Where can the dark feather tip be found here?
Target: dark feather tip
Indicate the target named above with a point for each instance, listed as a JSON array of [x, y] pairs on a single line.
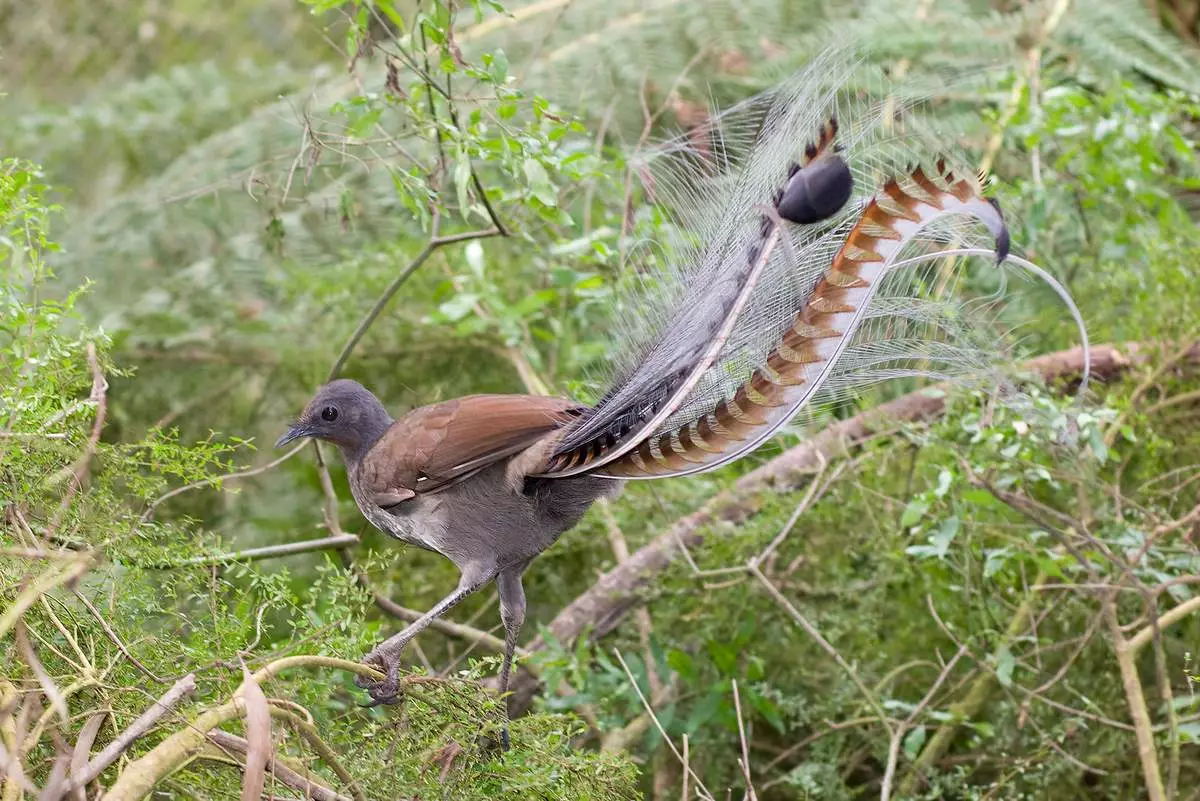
[[1003, 239], [817, 192]]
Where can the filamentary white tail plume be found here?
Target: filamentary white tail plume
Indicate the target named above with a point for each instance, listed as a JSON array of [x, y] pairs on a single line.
[[815, 237]]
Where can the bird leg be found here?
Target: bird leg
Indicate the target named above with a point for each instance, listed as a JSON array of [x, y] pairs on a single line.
[[512, 614], [386, 655]]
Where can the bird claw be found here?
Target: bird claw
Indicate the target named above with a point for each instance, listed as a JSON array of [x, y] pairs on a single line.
[[385, 690]]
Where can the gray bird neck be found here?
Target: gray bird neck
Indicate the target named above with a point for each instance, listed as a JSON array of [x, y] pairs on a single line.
[[373, 424]]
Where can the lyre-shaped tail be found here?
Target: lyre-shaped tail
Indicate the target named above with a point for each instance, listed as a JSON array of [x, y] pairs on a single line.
[[793, 222], [802, 359]]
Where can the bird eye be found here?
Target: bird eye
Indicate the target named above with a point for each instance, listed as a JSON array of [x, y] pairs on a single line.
[[329, 414]]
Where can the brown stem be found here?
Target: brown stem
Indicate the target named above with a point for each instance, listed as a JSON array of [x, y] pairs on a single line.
[[1138, 711]]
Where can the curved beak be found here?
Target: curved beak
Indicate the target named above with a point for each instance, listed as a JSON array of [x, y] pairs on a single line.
[[293, 433]]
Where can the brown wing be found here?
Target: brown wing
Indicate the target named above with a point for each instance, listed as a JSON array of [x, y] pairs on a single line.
[[435, 445]]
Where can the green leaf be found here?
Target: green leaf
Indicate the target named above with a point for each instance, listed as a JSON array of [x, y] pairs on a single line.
[[913, 741], [994, 561], [1005, 662], [913, 513], [766, 707], [723, 656], [945, 535], [459, 307], [539, 183], [498, 69], [682, 663], [1189, 732], [362, 125]]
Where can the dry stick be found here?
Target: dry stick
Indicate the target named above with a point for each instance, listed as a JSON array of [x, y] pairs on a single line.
[[885, 789], [700, 788], [144, 723], [99, 397], [310, 735], [1184, 353], [825, 645], [334, 543], [40, 586], [112, 636], [978, 694], [686, 769], [1168, 618], [368, 320], [620, 547], [215, 480], [291, 774], [744, 760], [58, 703], [141, 775], [1138, 712], [257, 720]]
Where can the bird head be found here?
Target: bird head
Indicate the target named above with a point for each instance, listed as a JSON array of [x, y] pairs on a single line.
[[343, 412]]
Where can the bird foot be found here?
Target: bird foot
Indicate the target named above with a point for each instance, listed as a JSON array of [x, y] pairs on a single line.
[[387, 689]]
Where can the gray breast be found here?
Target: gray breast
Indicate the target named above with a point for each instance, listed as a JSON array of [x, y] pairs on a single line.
[[419, 521]]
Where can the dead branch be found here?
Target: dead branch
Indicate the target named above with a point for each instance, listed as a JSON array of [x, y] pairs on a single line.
[[294, 776], [143, 724]]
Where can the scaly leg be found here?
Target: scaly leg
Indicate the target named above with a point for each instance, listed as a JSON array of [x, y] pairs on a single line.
[[512, 614], [386, 655]]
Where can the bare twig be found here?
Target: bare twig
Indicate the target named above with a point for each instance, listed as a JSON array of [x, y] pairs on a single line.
[[334, 543], [1168, 618], [744, 760], [258, 737], [143, 724], [291, 775], [898, 735], [824, 644], [57, 702], [435, 242], [216, 480], [52, 578], [112, 636], [666, 738], [1136, 700], [309, 732], [99, 397]]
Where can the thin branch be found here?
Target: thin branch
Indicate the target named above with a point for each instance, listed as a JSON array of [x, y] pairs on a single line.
[[745, 758], [334, 543], [700, 788], [1168, 618], [885, 790], [99, 397], [143, 724], [435, 242], [327, 754], [25, 648], [825, 645], [295, 776], [112, 636], [215, 480], [1136, 700]]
